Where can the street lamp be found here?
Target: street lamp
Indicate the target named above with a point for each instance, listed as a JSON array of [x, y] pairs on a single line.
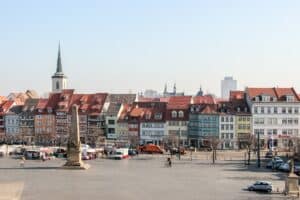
[[179, 138], [258, 149]]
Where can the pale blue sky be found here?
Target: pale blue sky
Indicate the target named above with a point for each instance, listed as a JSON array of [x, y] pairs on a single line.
[[117, 46]]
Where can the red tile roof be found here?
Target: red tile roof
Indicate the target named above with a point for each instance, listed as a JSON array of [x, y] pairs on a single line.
[[207, 99], [279, 93], [179, 102], [5, 106], [236, 94]]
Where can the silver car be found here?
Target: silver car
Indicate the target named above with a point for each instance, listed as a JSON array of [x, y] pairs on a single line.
[[261, 186]]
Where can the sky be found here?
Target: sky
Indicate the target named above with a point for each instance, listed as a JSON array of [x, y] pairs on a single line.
[[132, 45]]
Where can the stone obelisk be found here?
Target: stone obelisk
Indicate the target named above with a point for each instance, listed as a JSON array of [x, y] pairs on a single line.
[[74, 146]]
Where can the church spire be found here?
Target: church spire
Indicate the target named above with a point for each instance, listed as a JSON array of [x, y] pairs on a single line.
[[59, 66], [174, 89], [165, 89]]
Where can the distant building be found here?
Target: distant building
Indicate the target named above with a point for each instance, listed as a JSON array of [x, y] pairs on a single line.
[[151, 94], [111, 109], [227, 85], [200, 92], [12, 121], [275, 113], [59, 80], [203, 121], [177, 117], [170, 94]]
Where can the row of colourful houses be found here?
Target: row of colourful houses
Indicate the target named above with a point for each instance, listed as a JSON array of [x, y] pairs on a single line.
[[273, 113]]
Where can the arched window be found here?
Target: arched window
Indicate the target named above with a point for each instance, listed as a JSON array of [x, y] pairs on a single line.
[[57, 85], [174, 114], [180, 114]]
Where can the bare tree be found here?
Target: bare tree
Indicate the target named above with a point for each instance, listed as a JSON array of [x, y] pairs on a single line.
[[213, 143], [249, 142]]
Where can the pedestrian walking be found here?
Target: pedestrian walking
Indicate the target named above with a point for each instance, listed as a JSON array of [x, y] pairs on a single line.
[[169, 162], [22, 162]]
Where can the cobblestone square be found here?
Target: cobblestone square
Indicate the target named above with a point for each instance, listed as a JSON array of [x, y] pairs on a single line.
[[143, 177]]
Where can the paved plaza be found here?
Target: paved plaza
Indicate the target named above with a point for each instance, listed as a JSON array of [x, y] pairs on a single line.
[[143, 177]]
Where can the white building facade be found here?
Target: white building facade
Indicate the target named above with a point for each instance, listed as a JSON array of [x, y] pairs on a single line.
[[275, 113], [152, 132], [227, 129]]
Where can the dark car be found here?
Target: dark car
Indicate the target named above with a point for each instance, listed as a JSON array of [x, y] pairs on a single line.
[[132, 152]]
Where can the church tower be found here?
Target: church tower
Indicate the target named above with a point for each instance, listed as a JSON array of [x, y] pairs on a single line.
[[59, 80]]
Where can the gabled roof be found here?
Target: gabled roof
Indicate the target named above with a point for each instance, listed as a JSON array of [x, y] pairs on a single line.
[[5, 106]]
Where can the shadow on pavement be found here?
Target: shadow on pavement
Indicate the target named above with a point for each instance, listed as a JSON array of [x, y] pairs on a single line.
[[29, 168]]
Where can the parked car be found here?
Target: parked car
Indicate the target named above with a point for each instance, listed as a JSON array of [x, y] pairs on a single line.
[[284, 167], [132, 152], [261, 186], [176, 151], [274, 164], [277, 158], [269, 154], [151, 148]]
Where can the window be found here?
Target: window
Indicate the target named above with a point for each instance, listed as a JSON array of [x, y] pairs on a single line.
[[222, 119], [231, 127], [158, 116], [290, 110], [148, 115], [289, 98], [269, 110], [262, 110], [255, 110], [296, 121], [111, 122], [111, 130], [181, 114], [57, 85], [284, 121], [231, 119], [283, 110], [275, 110], [222, 127], [174, 114], [265, 98], [296, 110]]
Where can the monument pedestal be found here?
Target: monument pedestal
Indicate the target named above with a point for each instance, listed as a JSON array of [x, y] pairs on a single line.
[[74, 146], [291, 185]]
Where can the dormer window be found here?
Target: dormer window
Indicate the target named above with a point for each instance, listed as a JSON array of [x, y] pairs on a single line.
[[290, 98], [257, 99], [180, 114], [174, 114], [148, 115], [40, 110], [265, 98], [238, 109], [158, 116], [49, 110]]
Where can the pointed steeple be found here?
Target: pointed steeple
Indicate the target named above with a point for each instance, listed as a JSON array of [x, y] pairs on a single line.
[[59, 66], [174, 89], [166, 89]]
